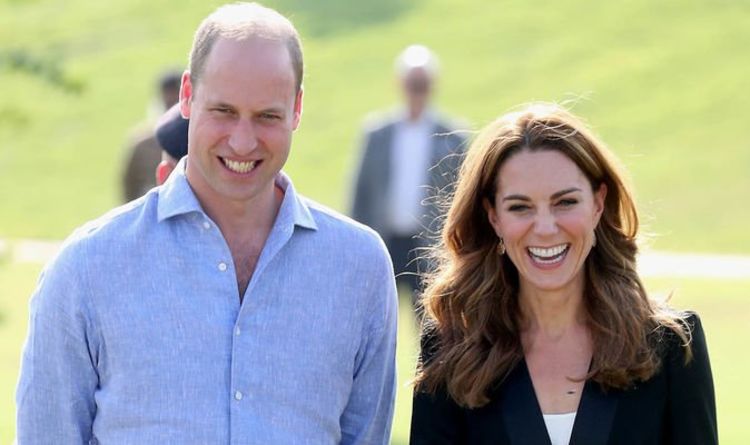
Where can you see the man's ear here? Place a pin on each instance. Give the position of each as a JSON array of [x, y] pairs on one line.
[[186, 94], [297, 109]]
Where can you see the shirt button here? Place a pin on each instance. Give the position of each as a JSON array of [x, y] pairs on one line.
[[206, 225], [237, 331], [223, 266], [237, 395]]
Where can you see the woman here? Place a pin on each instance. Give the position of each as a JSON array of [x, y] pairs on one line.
[[537, 328]]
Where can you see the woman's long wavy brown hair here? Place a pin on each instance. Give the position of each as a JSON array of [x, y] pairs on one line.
[[471, 299]]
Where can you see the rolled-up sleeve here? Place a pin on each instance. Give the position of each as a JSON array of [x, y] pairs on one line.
[[55, 394], [369, 413]]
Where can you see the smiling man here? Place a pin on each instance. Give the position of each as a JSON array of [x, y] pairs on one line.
[[222, 307]]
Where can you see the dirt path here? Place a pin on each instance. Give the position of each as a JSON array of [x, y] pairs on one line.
[[651, 263]]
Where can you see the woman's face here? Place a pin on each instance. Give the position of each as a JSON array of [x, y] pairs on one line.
[[546, 212]]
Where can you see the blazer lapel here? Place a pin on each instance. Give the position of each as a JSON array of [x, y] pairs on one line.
[[521, 414], [596, 413]]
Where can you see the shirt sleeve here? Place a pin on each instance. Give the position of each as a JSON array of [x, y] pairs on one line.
[[55, 394], [368, 415], [692, 405]]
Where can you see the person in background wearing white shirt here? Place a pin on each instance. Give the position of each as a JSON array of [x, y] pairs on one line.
[[408, 160]]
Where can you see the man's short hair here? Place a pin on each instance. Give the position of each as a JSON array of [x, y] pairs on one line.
[[241, 21]]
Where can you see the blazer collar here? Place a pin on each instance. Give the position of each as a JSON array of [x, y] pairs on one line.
[[596, 413], [523, 416]]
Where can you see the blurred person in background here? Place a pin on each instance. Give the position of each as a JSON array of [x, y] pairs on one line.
[[538, 329], [407, 159], [143, 154], [172, 136], [222, 307]]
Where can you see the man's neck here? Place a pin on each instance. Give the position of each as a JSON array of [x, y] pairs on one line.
[[245, 227], [246, 220], [415, 113]]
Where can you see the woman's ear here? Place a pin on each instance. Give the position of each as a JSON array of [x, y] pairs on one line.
[[600, 197], [492, 215]]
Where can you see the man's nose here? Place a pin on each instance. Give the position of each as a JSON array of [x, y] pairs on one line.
[[243, 139]]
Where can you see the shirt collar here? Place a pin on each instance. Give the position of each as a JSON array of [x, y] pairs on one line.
[[176, 197]]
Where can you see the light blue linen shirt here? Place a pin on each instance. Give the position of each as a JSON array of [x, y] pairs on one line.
[[137, 334]]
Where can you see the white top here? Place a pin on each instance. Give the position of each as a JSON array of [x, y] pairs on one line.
[[410, 159], [559, 427]]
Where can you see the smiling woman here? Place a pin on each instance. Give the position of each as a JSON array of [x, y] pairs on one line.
[[537, 328], [545, 211]]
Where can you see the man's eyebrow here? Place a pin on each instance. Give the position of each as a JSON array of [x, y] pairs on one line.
[[219, 103], [275, 110]]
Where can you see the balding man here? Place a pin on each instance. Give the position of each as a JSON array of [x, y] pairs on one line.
[[222, 307]]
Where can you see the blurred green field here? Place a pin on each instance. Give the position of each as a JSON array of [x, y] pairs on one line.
[[664, 83]]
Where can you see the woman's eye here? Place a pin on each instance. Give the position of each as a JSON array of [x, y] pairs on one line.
[[518, 208], [567, 202]]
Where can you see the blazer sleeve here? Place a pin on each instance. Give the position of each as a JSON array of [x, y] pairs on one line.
[[692, 405], [361, 200], [436, 418]]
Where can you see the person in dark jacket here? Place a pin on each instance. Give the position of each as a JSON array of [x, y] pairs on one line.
[[538, 329], [407, 162]]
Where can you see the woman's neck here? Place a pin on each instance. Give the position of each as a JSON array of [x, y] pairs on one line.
[[552, 313]]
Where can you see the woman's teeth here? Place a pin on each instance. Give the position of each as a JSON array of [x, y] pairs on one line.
[[548, 255]]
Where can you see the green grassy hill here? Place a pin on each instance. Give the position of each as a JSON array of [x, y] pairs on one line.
[[664, 83]]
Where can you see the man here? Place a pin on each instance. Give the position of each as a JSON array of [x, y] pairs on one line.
[[144, 153], [408, 162], [222, 307]]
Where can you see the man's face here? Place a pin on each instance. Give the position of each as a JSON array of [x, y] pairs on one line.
[[242, 113], [417, 86]]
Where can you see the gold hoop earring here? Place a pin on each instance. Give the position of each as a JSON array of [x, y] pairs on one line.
[[501, 247]]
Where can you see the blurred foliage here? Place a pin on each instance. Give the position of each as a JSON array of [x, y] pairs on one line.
[[47, 70], [330, 18]]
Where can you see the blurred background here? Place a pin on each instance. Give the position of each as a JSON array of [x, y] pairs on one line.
[[665, 83]]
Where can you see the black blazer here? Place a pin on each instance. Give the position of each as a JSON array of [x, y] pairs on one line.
[[675, 406]]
